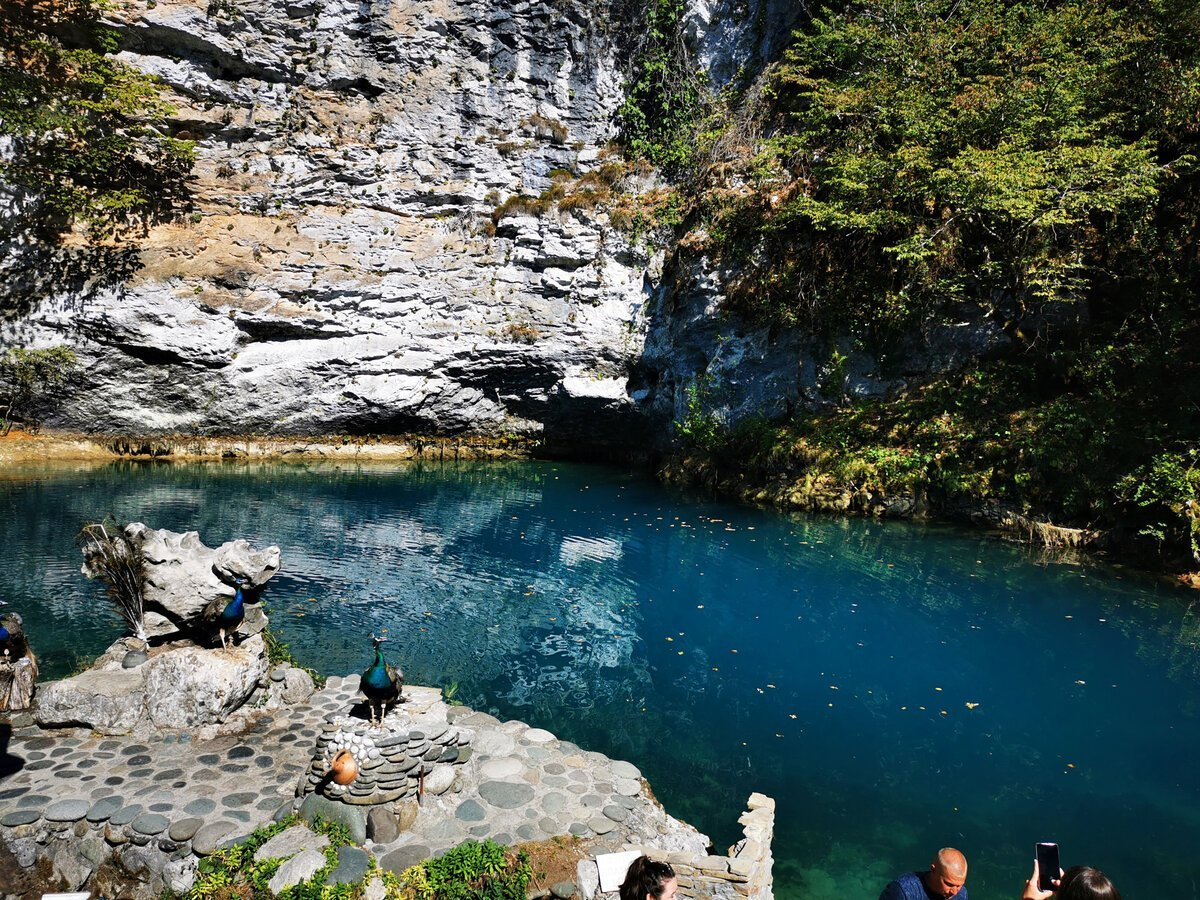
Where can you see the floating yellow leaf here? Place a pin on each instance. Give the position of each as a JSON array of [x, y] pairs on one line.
[[791, 715], [944, 713], [670, 639], [937, 689], [971, 705], [770, 685], [1070, 765], [1080, 681]]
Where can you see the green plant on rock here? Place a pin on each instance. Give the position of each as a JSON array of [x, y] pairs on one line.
[[474, 870], [665, 91], [232, 872], [700, 428]]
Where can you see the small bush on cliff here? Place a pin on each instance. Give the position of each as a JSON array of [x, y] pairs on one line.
[[665, 90]]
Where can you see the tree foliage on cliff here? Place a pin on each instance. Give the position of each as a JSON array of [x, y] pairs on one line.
[[665, 89], [89, 146], [923, 153], [908, 161]]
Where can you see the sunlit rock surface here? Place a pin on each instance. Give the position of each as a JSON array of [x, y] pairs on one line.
[[347, 266]]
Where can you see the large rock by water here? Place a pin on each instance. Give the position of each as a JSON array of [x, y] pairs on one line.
[[183, 576], [179, 686]]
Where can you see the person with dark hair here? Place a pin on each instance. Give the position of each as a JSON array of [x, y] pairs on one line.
[[1077, 883], [648, 879], [944, 880]]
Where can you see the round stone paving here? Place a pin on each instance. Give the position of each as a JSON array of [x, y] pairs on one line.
[[504, 767], [67, 810], [506, 795]]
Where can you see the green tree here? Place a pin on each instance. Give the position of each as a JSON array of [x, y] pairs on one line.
[[29, 379], [89, 141], [927, 153]]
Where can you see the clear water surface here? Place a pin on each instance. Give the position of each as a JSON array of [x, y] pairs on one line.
[[895, 687]]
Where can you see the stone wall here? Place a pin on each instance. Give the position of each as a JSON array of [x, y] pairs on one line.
[[745, 873]]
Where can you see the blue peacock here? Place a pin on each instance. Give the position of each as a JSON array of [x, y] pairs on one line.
[[224, 616], [381, 682]]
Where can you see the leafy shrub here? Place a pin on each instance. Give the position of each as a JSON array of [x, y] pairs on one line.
[[473, 870]]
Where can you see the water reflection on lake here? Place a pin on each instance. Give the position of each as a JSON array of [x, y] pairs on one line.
[[897, 688]]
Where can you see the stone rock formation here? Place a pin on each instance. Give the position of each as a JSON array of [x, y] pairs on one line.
[[183, 576], [361, 257], [179, 686]]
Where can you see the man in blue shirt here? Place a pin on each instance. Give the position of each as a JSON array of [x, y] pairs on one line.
[[944, 881]]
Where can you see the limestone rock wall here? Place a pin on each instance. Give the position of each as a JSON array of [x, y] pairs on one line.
[[347, 267], [342, 271]]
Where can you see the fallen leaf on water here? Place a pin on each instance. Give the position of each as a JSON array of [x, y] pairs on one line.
[[944, 713], [670, 639], [972, 705], [733, 651], [1070, 765], [770, 685], [937, 689], [791, 715], [1080, 681]]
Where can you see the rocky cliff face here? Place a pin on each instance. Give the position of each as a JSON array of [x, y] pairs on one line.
[[345, 268], [341, 271]]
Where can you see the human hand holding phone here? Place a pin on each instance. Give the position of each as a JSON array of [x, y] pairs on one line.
[[1033, 891]]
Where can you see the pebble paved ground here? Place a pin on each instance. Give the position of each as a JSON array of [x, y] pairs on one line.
[[520, 784]]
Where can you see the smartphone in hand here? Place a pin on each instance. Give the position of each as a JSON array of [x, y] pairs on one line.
[[1048, 865]]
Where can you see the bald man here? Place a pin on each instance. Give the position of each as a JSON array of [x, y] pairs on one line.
[[944, 881]]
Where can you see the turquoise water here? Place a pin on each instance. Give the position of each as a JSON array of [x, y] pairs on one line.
[[896, 688]]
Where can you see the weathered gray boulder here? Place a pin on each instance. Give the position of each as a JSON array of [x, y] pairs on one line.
[[191, 686], [288, 687], [183, 576], [179, 686]]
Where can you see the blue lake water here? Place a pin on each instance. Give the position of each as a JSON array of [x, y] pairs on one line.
[[895, 687]]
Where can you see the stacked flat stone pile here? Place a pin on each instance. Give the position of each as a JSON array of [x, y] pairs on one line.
[[407, 755]]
